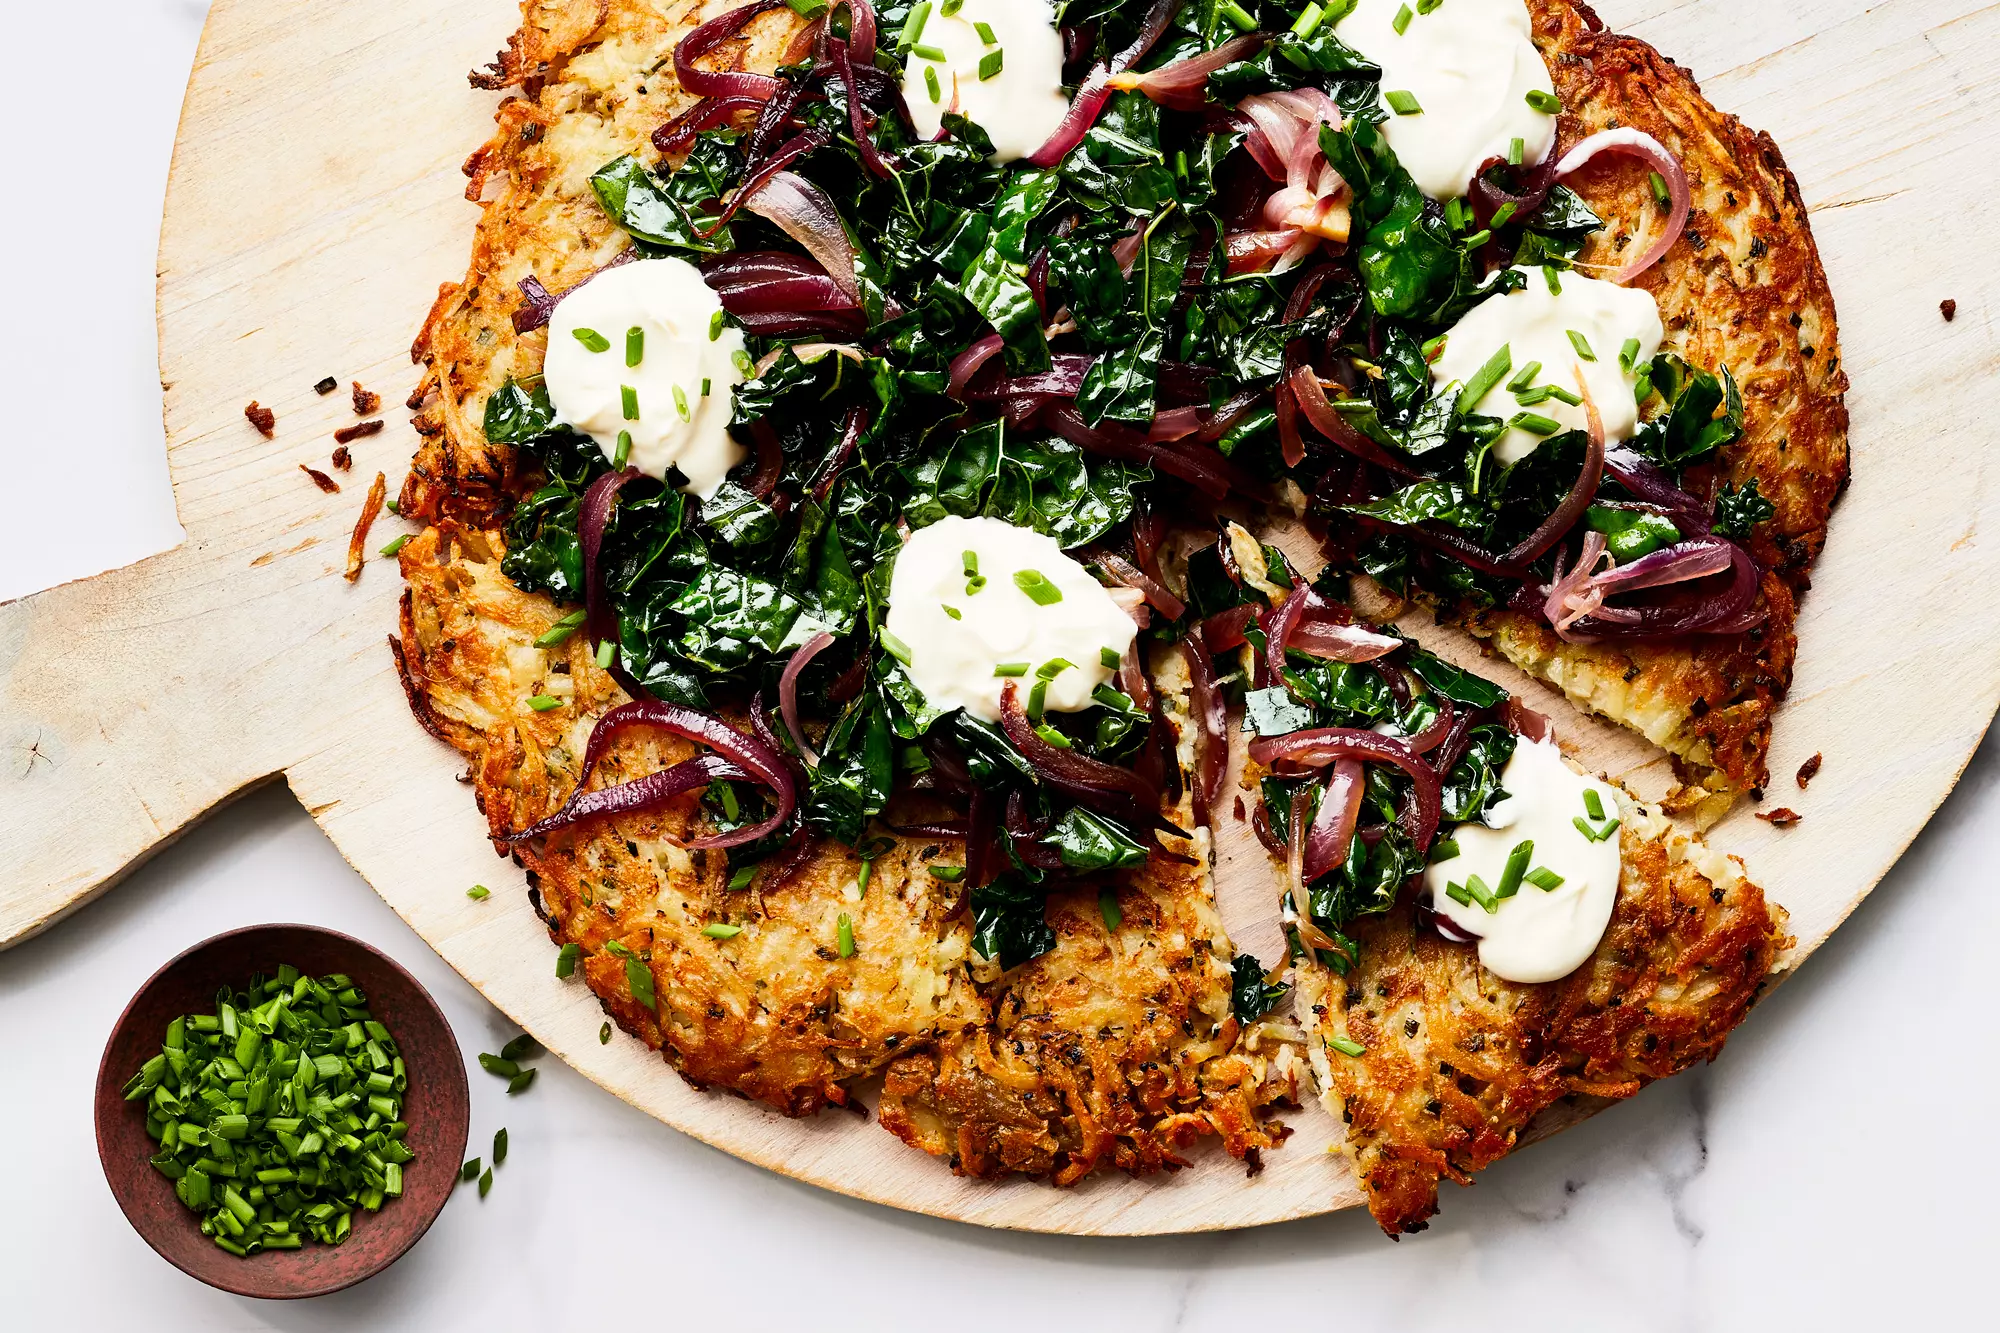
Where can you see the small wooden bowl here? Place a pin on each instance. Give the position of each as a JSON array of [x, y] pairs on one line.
[[438, 1111]]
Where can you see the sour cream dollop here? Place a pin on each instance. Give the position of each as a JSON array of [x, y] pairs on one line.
[[1471, 66], [675, 402], [1020, 104], [1555, 320], [1536, 934], [977, 602]]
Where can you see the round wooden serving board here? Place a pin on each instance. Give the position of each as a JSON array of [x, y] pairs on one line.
[[316, 203]]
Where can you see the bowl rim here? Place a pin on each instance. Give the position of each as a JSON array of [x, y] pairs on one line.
[[108, 1102]]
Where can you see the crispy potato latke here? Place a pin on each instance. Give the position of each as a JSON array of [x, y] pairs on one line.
[[1457, 1062], [1745, 290], [1117, 1049]]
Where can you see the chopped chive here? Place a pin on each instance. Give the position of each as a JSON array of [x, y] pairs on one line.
[[1052, 668], [1609, 828], [1347, 1047], [470, 1171], [479, 893], [562, 629], [951, 7], [931, 84], [991, 64], [1562, 395], [1543, 878], [681, 408], [1309, 21], [606, 650], [1478, 238], [520, 1082], [543, 703], [896, 647], [948, 874], [1582, 345], [1593, 804], [1517, 152], [639, 980], [721, 932], [985, 32], [1534, 423], [1502, 216], [1585, 829], [1037, 587], [1516, 867], [1541, 393], [1403, 102], [1643, 390], [1481, 894], [1659, 184], [1445, 850], [566, 958], [1110, 698], [866, 873], [1456, 216], [715, 326], [844, 935], [1239, 18], [952, 611], [928, 53], [1053, 737], [1526, 376], [743, 878], [707, 386], [1401, 22], [1038, 700], [498, 1065], [913, 27], [1486, 377], [485, 1181], [1012, 669], [499, 1146], [592, 340], [628, 401], [1553, 279], [1108, 908], [1628, 355], [1545, 102], [604, 1035], [969, 561], [635, 346], [1434, 349], [395, 547], [744, 365], [623, 453], [1111, 660], [1427, 6]]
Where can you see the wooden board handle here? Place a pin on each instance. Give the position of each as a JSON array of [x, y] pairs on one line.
[[115, 726]]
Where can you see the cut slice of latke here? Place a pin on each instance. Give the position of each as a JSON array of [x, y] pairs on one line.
[[1456, 1063], [1745, 290]]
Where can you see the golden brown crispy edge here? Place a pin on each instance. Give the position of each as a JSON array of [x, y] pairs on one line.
[[1458, 1062], [1747, 291]]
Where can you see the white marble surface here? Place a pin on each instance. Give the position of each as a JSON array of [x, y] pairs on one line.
[[1829, 1172]]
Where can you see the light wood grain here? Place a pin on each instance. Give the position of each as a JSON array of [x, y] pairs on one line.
[[315, 205]]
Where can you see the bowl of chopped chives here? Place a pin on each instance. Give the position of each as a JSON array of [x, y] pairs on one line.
[[281, 1111]]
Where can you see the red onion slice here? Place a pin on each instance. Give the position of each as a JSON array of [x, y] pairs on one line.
[[1588, 480], [647, 793], [1525, 722], [1201, 468], [788, 692], [1319, 410], [1224, 630], [753, 185], [1680, 196], [1129, 574], [679, 133], [1340, 643], [802, 211], [705, 39], [599, 502], [1211, 718], [1084, 110], [1322, 746], [1571, 596], [1332, 831], [1183, 85], [1431, 737], [967, 363], [1102, 787]]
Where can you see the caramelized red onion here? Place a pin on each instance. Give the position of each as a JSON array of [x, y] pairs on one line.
[[1680, 196], [737, 757], [600, 502], [1200, 467], [1332, 831], [788, 692], [755, 185], [1095, 91], [1325, 745], [1102, 787], [1130, 575], [1566, 514], [1525, 722], [1211, 718], [803, 212], [723, 83], [967, 363], [678, 134], [1024, 836], [1183, 85], [1318, 409]]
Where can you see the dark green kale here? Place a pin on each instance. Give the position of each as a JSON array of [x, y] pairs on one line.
[[1740, 509], [1009, 925], [1250, 997]]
